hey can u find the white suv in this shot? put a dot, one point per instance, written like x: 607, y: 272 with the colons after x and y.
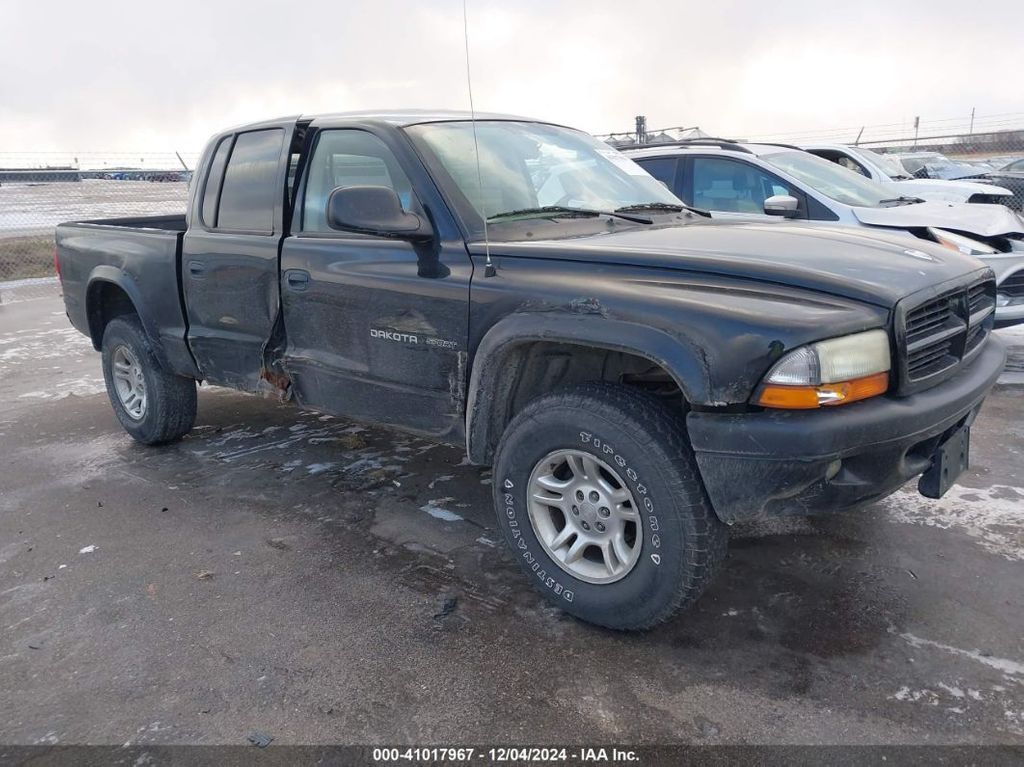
x: 760, y: 182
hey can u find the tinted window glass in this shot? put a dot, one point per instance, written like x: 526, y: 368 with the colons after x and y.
x: 662, y: 168
x: 344, y: 158
x: 213, y: 179
x: 731, y: 186
x: 250, y: 189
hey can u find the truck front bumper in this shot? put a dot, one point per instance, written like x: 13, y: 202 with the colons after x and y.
x: 778, y: 462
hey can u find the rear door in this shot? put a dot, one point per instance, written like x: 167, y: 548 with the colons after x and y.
x: 230, y: 254
x: 376, y: 327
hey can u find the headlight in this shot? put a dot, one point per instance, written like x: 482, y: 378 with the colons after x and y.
x: 832, y: 372
x: 961, y: 244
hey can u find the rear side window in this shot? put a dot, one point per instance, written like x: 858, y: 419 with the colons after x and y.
x: 249, y: 192
x: 662, y: 168
x: 213, y: 180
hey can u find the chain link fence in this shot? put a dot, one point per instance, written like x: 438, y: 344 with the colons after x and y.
x: 39, y: 191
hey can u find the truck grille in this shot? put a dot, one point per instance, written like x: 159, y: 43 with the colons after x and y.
x: 1013, y: 285
x: 939, y: 334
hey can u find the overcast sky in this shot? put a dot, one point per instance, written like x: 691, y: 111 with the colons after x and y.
x: 158, y: 76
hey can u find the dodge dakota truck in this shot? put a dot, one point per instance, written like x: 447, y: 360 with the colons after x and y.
x: 639, y: 375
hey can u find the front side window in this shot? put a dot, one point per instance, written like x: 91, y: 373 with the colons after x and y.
x: 734, y: 187
x: 344, y: 158
x: 524, y: 166
x: 829, y: 179
x: 250, y: 190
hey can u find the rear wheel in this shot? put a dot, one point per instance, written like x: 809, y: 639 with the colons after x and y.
x: 153, y: 405
x: 598, y: 495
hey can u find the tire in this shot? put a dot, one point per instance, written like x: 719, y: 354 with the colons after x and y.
x: 675, y: 541
x: 168, y: 408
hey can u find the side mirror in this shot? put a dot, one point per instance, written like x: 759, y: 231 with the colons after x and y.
x: 781, y: 205
x: 374, y: 210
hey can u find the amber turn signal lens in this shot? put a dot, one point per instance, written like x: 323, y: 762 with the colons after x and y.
x: 825, y: 395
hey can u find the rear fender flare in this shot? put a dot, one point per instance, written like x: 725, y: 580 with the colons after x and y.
x: 105, y: 274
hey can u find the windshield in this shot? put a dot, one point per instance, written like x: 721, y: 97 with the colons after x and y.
x: 890, y: 165
x: 833, y: 180
x: 525, y: 166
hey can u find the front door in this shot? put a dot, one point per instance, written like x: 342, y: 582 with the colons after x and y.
x: 229, y: 263
x: 376, y: 327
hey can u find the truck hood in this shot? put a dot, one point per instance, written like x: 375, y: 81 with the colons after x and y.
x: 949, y: 191
x: 980, y: 220
x: 865, y: 266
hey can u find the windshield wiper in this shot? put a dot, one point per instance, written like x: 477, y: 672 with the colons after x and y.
x: 667, y: 207
x: 559, y: 211
x: 901, y: 199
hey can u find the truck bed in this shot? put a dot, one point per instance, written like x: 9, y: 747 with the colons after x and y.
x: 139, y: 256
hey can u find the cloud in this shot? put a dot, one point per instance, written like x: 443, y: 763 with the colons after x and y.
x: 118, y: 75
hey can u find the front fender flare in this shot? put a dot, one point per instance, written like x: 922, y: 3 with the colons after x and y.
x: 683, y: 362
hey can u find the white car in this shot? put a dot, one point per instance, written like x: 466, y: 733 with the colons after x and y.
x: 774, y: 182
x: 889, y: 171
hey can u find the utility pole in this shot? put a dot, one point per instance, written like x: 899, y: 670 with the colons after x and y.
x: 641, y: 129
x: 971, y: 131
x: 917, y: 124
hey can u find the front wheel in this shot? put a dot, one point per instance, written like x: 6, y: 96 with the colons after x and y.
x: 598, y: 495
x: 153, y: 405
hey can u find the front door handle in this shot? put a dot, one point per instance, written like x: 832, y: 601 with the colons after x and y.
x: 297, y: 279
x: 197, y: 268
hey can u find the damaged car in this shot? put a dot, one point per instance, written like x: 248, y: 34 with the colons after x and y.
x: 886, y: 169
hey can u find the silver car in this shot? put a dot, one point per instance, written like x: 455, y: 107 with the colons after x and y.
x: 763, y: 182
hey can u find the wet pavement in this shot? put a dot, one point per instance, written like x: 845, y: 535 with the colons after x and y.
x: 324, y: 582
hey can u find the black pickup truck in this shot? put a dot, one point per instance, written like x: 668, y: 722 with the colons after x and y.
x: 639, y: 376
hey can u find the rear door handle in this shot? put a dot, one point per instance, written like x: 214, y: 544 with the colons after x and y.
x: 197, y: 268
x: 297, y: 279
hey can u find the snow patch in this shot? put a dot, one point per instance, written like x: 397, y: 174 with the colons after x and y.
x: 1009, y: 667
x: 994, y: 516
x: 435, y: 508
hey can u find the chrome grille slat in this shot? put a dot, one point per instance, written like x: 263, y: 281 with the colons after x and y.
x: 932, y: 339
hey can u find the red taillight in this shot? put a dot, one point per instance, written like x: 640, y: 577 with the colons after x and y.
x: 56, y: 263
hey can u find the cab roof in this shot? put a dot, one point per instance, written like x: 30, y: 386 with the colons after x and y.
x: 404, y: 117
